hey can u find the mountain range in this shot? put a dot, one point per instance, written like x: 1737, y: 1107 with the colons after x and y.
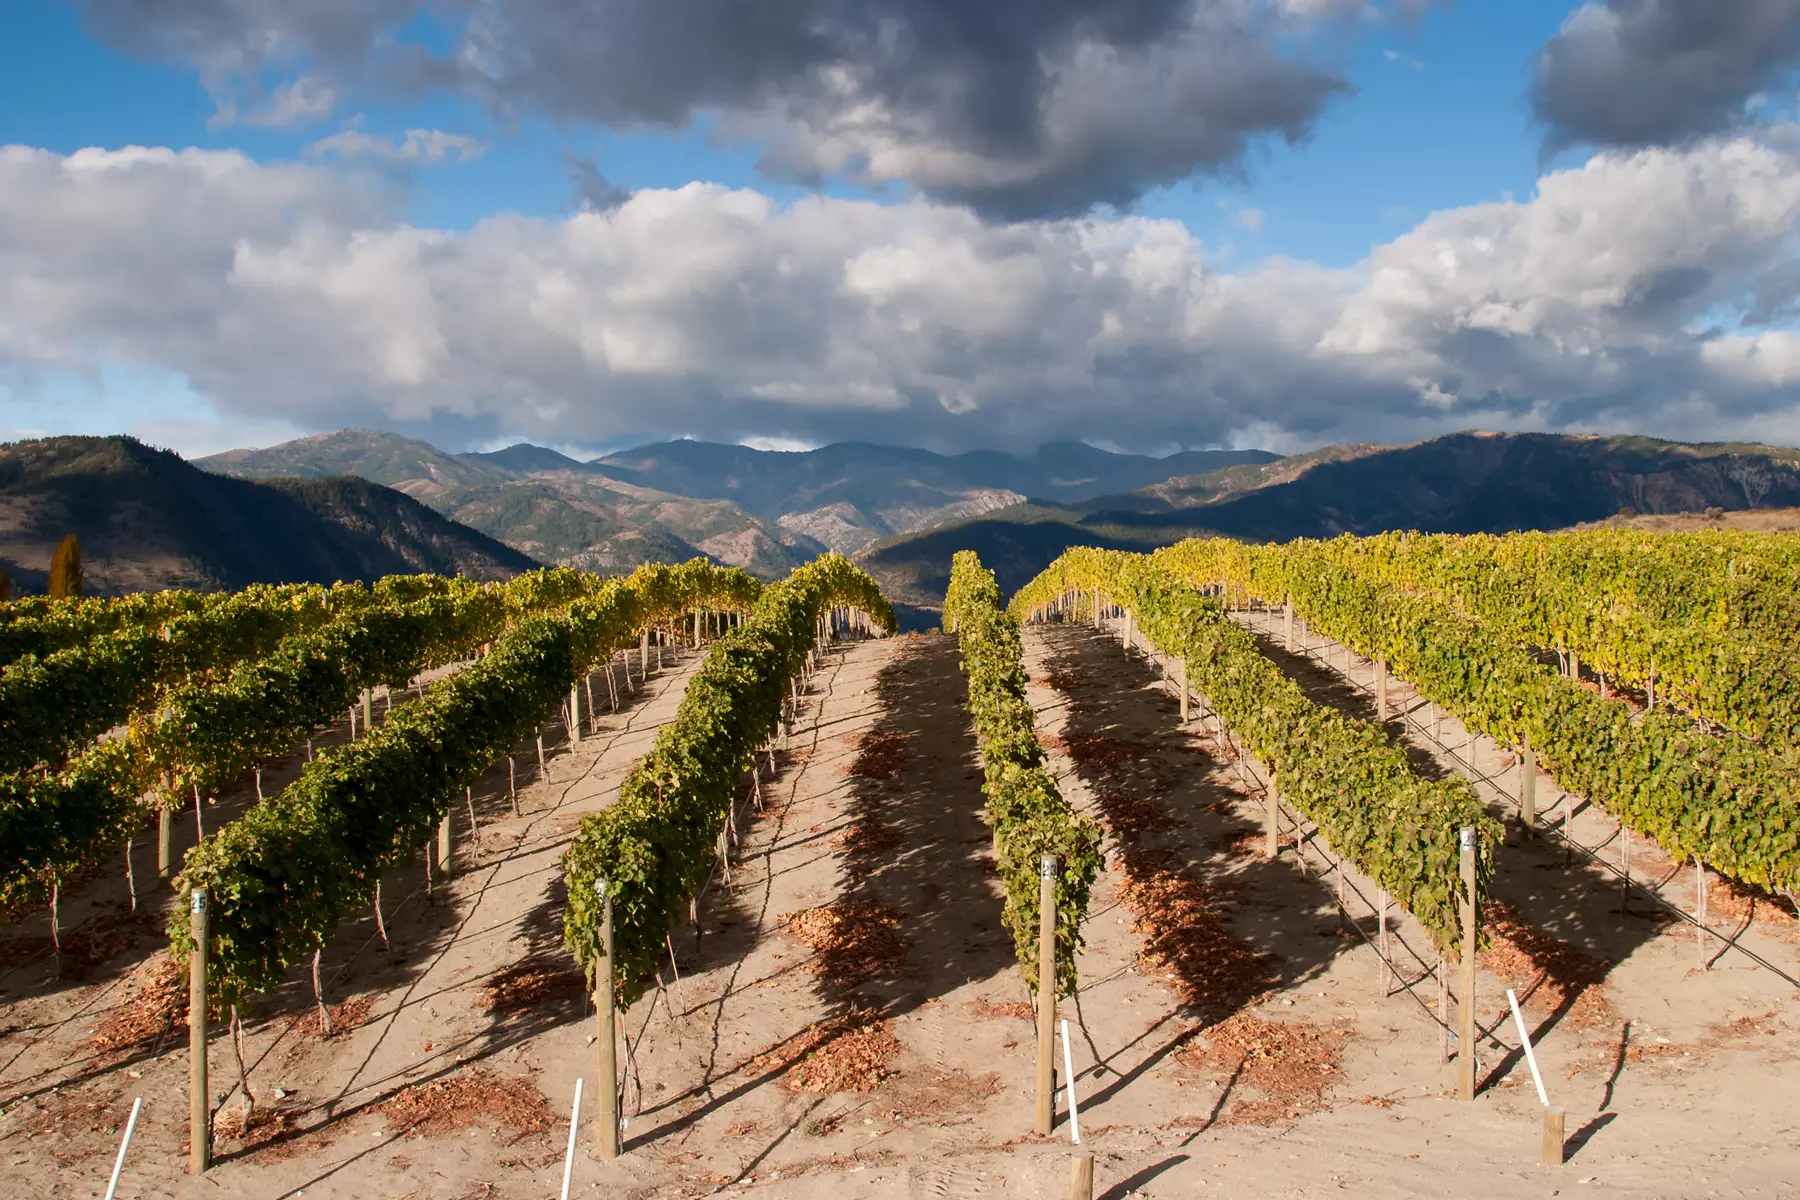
x: 764, y: 510
x: 1459, y: 483
x: 360, y: 503
x: 147, y: 519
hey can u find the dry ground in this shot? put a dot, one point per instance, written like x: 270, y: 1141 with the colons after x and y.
x: 849, y: 1020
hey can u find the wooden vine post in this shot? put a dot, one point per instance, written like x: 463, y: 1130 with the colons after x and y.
x: 575, y: 714
x: 443, y: 846
x: 165, y: 843
x: 1081, y: 1175
x: 1271, y: 830
x: 1287, y: 618
x: 1181, y: 666
x: 1700, y: 927
x: 606, y: 1036
x: 199, y: 1105
x: 1527, y: 786
x: 1381, y: 689
x: 1046, y: 997
x: 1465, y: 1008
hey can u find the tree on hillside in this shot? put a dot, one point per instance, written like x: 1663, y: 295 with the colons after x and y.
x: 65, y: 569
x: 5, y: 586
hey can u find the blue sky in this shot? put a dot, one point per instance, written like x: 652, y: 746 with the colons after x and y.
x: 1444, y: 122
x: 1436, y: 119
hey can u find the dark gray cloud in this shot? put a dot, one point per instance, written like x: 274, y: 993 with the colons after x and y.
x: 1648, y: 72
x: 594, y: 192
x: 1017, y: 107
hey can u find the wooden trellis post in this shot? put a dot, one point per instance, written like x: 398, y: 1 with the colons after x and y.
x: 606, y: 1035
x: 1046, y: 997
x: 165, y: 842
x: 199, y: 1103
x: 1465, y: 1009
x: 1527, y: 786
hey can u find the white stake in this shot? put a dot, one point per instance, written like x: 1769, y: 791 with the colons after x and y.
x: 574, y: 1127
x: 119, y: 1163
x: 1526, y: 1039
x: 1069, y: 1073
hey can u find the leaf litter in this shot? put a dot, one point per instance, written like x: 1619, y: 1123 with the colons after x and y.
x: 852, y: 940
x: 470, y: 1097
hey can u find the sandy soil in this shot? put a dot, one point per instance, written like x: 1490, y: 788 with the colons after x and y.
x: 849, y: 1020
x: 476, y: 970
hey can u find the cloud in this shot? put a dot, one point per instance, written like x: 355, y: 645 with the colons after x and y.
x: 1647, y: 72
x: 719, y: 313
x: 417, y: 147
x: 294, y: 104
x: 594, y: 192
x: 1248, y: 218
x: 1016, y: 107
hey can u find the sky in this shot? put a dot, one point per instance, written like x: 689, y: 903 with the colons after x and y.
x: 959, y: 224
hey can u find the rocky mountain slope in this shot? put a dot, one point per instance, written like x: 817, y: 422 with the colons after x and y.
x: 148, y: 519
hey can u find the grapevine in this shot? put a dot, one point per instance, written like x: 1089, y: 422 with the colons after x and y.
x: 1028, y: 815
x: 1728, y: 801
x: 286, y: 874
x: 657, y: 842
x: 1344, y: 775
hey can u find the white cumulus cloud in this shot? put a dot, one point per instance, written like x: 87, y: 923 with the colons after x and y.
x: 1622, y: 295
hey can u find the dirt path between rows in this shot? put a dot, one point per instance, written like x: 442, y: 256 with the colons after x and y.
x: 467, y: 1024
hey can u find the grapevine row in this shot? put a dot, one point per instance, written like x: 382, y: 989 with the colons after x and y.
x: 1703, y: 621
x: 1028, y: 815
x: 67, y: 699
x: 41, y: 626
x: 1343, y: 774
x: 657, y: 843
x: 208, y: 733
x: 286, y: 874
x: 1727, y: 801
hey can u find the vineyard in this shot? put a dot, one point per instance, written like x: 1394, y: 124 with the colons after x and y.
x: 1134, y: 873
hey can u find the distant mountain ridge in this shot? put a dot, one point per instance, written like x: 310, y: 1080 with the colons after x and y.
x: 1460, y: 483
x: 763, y: 510
x: 148, y: 519
x: 156, y: 521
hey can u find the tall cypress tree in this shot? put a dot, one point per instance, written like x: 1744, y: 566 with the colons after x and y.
x: 5, y: 586
x: 65, y: 569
